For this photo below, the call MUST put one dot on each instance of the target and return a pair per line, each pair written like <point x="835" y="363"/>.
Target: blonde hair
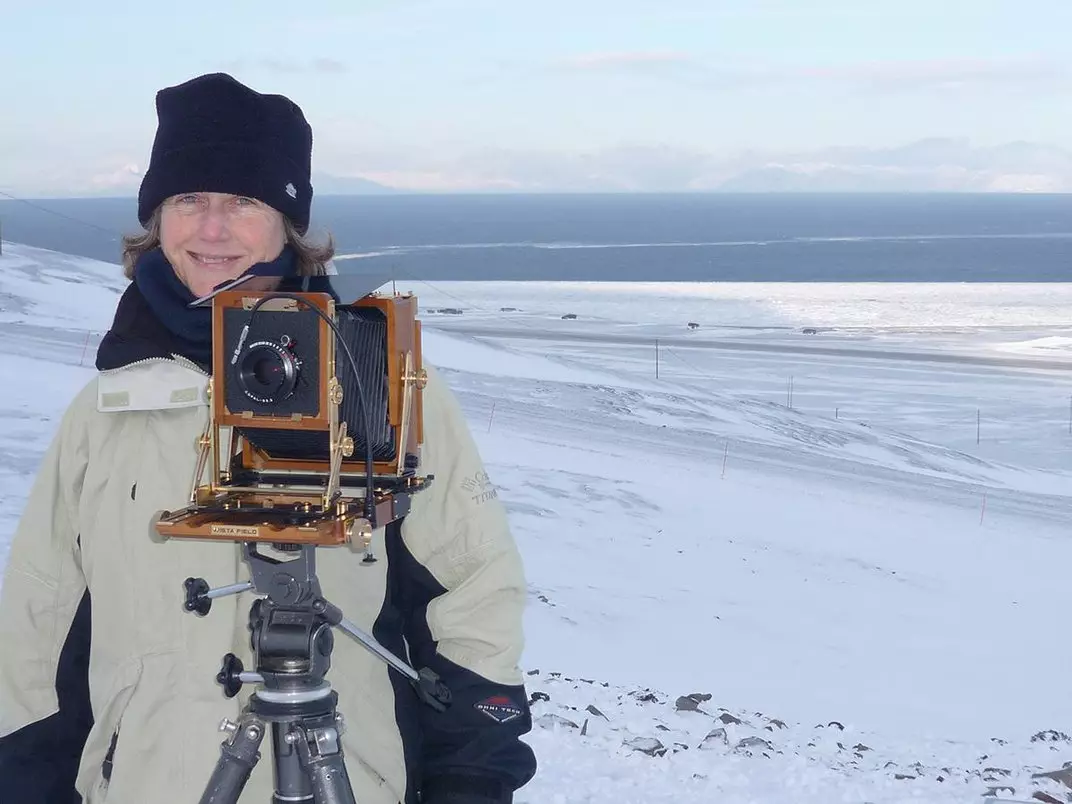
<point x="312" y="258"/>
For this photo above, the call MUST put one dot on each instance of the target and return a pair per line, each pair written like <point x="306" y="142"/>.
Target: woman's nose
<point x="214" y="223"/>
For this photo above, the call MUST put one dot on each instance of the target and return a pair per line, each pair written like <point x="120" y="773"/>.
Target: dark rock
<point x="1064" y="776"/>
<point x="1049" y="736"/>
<point x="748" y="744"/>
<point x="691" y="703"/>
<point x="714" y="738"/>
<point x="594" y="711"/>
<point x="551" y="720"/>
<point x="646" y="745"/>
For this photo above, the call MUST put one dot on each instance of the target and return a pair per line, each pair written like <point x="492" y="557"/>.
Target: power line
<point x="113" y="233"/>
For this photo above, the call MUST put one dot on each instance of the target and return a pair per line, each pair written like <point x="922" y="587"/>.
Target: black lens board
<point x="302" y="327"/>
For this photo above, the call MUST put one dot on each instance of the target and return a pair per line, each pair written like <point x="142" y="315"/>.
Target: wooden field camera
<point x="308" y="445"/>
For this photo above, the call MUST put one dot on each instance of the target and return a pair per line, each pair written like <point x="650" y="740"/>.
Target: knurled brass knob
<point x="419" y="378"/>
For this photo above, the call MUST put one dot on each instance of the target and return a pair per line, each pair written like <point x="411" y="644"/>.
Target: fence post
<point x="656" y="358"/>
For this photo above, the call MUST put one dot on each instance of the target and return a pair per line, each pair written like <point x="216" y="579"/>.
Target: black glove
<point x="465" y="790"/>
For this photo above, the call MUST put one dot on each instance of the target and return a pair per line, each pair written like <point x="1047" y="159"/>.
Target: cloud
<point x="644" y="60"/>
<point x="290" y="66"/>
<point x="123" y="177"/>
<point x="881" y="76"/>
<point x="944" y="74"/>
<point x="925" y="165"/>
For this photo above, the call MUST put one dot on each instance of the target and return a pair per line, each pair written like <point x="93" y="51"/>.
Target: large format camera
<point x="315" y="421"/>
<point x="314" y="431"/>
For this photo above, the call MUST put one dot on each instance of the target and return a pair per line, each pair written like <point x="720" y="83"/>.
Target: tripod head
<point x="292" y="640"/>
<point x="290" y="629"/>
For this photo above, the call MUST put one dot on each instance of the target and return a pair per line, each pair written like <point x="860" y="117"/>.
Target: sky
<point x="462" y="94"/>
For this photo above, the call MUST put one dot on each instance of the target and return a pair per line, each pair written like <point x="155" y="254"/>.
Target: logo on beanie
<point x="291" y="190"/>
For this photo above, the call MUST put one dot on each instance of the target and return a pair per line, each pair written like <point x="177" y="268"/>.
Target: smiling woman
<point x="211" y="237"/>
<point x="212" y="225"/>
<point x="227" y="194"/>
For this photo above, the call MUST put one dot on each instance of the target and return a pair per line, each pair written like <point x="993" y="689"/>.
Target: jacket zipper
<point x="148" y="361"/>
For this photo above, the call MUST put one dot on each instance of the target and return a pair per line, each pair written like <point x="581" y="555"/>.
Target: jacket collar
<point x="155" y="383"/>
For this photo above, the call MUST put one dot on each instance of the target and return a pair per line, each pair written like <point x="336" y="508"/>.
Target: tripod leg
<point x="291" y="783"/>
<point x="331" y="782"/>
<point x="320" y="747"/>
<point x="238" y="756"/>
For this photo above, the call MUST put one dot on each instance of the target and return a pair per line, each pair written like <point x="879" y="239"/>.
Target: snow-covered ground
<point x="791" y="568"/>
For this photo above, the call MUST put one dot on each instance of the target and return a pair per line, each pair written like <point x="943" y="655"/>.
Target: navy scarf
<point x="169" y="299"/>
<point x="154" y="318"/>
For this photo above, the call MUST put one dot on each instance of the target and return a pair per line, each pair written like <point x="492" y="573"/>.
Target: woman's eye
<point x="244" y="201"/>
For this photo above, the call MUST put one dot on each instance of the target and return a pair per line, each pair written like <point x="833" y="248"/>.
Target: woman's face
<point x="211" y="237"/>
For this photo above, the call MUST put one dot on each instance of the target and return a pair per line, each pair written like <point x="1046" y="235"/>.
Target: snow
<point x="856" y="550"/>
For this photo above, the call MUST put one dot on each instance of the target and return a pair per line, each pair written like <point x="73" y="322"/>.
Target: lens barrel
<point x="267" y="372"/>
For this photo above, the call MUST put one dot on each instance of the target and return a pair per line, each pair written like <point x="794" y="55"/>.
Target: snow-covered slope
<point x="882" y="608"/>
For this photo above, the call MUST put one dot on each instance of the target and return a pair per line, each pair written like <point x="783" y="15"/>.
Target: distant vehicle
<point x="569" y="316"/>
<point x="810" y="331"/>
<point x="693" y="325"/>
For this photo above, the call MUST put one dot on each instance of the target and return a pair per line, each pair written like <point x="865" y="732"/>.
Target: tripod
<point x="292" y="640"/>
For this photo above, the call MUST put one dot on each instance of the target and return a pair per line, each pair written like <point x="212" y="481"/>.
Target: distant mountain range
<point x="327" y="184"/>
<point x="928" y="165"/>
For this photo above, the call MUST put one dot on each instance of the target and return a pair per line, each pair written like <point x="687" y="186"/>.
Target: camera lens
<point x="267" y="372"/>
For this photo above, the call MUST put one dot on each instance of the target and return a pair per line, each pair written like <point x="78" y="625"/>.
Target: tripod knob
<point x="229" y="727"/>
<point x="431" y="690"/>
<point x="197" y="599"/>
<point x="230" y="675"/>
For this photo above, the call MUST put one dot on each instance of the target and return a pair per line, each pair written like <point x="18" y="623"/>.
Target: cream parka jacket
<point x="448" y="588"/>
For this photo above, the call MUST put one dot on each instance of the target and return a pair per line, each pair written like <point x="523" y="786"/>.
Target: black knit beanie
<point x="217" y="135"/>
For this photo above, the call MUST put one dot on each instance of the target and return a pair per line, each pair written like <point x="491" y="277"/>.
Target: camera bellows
<point x="277" y="373"/>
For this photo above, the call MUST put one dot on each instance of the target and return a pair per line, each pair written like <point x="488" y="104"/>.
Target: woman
<point x="129" y="715"/>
